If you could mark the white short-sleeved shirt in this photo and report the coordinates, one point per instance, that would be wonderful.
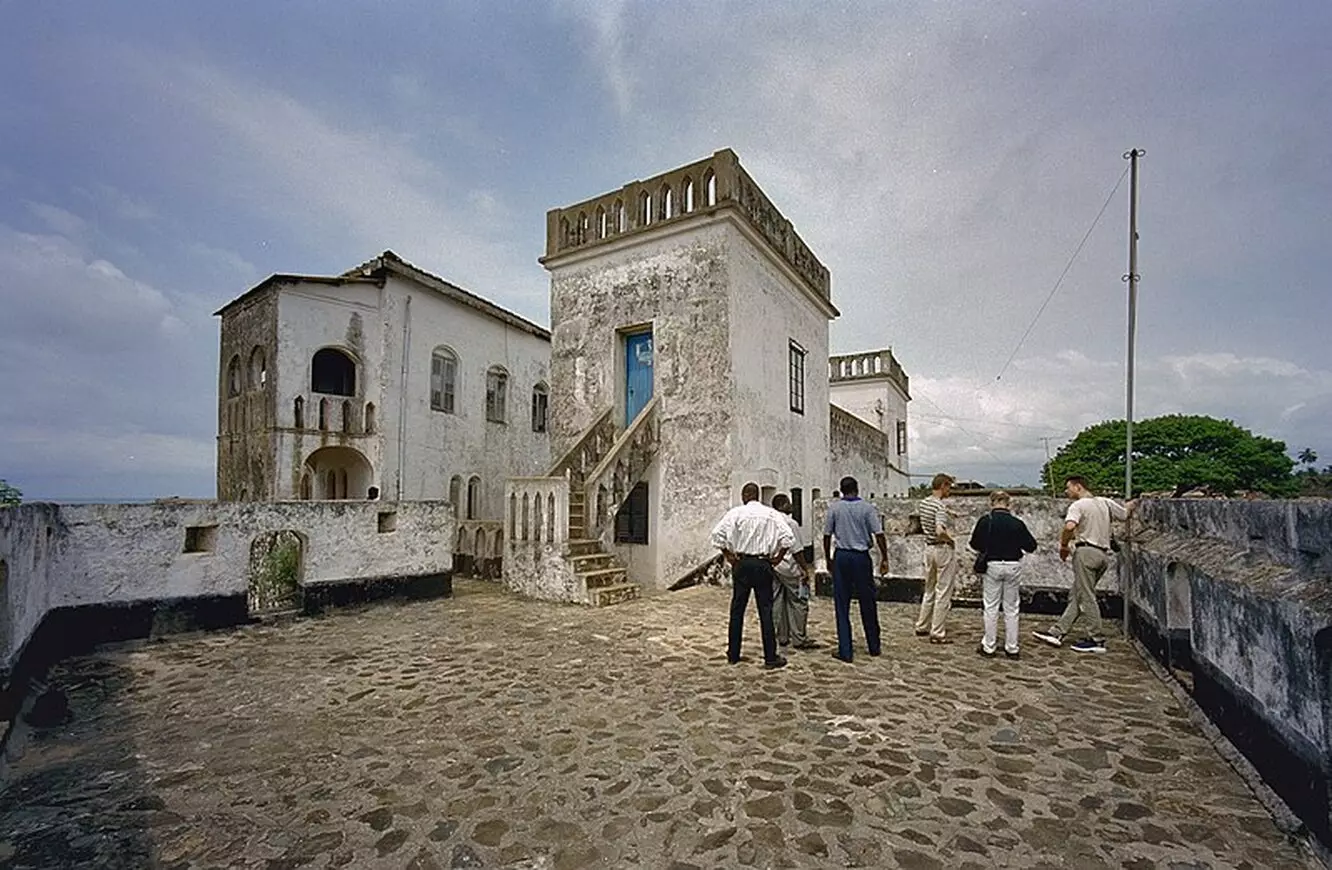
(1092, 516)
(752, 529)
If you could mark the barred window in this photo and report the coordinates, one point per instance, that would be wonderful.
(797, 357)
(443, 379)
(540, 408)
(901, 437)
(497, 389)
(631, 521)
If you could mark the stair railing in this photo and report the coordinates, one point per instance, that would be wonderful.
(608, 484)
(587, 450)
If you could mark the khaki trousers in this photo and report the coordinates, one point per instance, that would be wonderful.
(940, 574)
(1089, 564)
(790, 612)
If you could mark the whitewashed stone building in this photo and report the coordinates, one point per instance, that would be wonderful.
(384, 381)
(869, 394)
(688, 356)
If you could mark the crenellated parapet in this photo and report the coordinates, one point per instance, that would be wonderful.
(868, 366)
(701, 188)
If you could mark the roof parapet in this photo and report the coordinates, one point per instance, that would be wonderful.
(868, 366)
(700, 188)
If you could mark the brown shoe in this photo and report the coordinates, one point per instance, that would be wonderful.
(941, 640)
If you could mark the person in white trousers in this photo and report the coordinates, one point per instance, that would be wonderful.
(1001, 539)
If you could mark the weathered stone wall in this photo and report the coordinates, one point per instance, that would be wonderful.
(771, 444)
(80, 556)
(1041, 570)
(858, 449)
(246, 389)
(677, 284)
(1239, 594)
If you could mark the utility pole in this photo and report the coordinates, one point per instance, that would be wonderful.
(1048, 471)
(1132, 279)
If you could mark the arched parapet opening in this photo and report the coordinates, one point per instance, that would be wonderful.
(333, 372)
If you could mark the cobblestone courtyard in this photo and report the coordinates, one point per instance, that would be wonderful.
(489, 731)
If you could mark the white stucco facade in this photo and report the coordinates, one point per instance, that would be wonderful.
(725, 309)
(389, 425)
(872, 388)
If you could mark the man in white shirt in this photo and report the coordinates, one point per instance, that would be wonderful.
(1087, 530)
(791, 601)
(753, 537)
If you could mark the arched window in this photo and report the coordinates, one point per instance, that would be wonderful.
(346, 416)
(601, 222)
(582, 228)
(620, 221)
(540, 407)
(688, 198)
(330, 484)
(497, 391)
(474, 498)
(644, 209)
(455, 493)
(667, 198)
(369, 418)
(234, 377)
(323, 415)
(305, 486)
(258, 369)
(332, 372)
(443, 379)
(564, 232)
(298, 411)
(710, 188)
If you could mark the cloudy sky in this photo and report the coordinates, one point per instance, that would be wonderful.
(943, 159)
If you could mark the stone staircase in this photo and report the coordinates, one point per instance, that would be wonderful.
(601, 573)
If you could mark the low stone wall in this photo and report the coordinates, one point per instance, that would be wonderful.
(1235, 597)
(87, 573)
(1042, 571)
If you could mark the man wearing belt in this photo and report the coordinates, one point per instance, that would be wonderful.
(854, 523)
(1087, 529)
(940, 562)
(1002, 538)
(753, 537)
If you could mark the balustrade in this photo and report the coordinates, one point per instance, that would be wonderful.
(536, 510)
(607, 486)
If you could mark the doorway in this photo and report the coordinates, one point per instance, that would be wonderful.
(637, 374)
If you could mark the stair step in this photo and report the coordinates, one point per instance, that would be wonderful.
(617, 594)
(602, 577)
(582, 546)
(592, 562)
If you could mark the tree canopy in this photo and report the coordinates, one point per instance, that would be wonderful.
(1176, 451)
(9, 495)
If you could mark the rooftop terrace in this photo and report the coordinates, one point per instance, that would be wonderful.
(489, 730)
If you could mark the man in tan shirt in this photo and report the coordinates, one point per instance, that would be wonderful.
(1086, 535)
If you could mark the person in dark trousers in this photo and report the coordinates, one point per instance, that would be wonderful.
(754, 538)
(1002, 538)
(855, 524)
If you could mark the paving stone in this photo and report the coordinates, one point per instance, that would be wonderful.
(490, 731)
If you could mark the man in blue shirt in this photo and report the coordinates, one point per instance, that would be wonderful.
(855, 523)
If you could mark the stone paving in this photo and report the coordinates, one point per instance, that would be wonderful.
(490, 731)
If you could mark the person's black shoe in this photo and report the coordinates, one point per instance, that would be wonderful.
(876, 653)
(988, 655)
(839, 657)
(806, 644)
(779, 662)
(731, 661)
(1013, 655)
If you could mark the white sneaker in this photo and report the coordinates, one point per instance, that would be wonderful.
(1049, 637)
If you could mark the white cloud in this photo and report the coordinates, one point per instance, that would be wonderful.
(994, 432)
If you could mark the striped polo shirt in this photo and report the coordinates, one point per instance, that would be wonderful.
(933, 518)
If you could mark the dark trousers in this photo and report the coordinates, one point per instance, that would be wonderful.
(853, 574)
(751, 574)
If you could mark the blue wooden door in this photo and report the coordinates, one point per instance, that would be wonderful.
(637, 374)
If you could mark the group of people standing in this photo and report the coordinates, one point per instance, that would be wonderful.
(766, 552)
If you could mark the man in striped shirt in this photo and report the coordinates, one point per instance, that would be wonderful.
(940, 562)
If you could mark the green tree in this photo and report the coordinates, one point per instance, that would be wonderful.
(1308, 457)
(9, 495)
(1173, 451)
